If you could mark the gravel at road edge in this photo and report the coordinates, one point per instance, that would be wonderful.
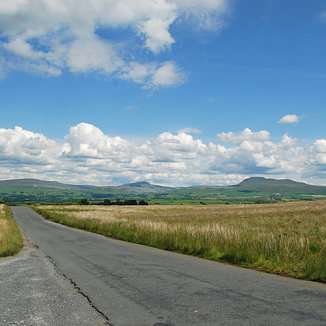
(34, 293)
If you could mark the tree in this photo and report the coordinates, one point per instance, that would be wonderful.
(107, 202)
(143, 202)
(130, 202)
(84, 201)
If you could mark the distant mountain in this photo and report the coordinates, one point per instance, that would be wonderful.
(251, 190)
(42, 184)
(144, 186)
(135, 188)
(21, 190)
(283, 185)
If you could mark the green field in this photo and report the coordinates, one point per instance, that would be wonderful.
(287, 238)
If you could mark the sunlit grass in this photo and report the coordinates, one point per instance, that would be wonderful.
(11, 237)
(288, 239)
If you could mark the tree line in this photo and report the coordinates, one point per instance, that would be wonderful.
(85, 201)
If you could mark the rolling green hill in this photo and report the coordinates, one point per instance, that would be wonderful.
(137, 187)
(33, 190)
(251, 190)
(35, 183)
(264, 184)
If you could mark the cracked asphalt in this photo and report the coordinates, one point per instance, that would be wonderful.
(34, 293)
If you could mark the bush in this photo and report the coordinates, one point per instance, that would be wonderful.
(107, 202)
(130, 202)
(84, 201)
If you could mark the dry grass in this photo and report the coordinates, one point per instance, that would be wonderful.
(11, 237)
(286, 238)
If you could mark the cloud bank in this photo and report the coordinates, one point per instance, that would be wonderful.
(88, 156)
(107, 37)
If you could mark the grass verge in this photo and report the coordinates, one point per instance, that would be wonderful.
(11, 237)
(287, 239)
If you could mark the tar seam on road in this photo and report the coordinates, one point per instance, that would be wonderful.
(79, 291)
(75, 286)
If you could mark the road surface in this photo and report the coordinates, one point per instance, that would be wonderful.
(133, 285)
(33, 293)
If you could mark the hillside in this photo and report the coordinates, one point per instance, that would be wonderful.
(251, 190)
(283, 185)
(31, 190)
(35, 183)
(137, 187)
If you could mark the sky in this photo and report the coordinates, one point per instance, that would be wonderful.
(173, 92)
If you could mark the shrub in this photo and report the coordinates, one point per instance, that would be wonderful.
(84, 201)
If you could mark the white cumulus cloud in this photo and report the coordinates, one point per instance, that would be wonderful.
(154, 75)
(320, 147)
(289, 118)
(244, 135)
(87, 155)
(167, 74)
(19, 146)
(54, 36)
(86, 140)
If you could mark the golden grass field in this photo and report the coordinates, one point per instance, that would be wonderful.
(11, 237)
(287, 238)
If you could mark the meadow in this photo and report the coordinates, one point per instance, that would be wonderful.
(287, 238)
(11, 237)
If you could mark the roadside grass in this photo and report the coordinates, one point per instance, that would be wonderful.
(11, 237)
(287, 239)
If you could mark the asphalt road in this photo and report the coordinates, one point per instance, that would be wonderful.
(136, 285)
(33, 293)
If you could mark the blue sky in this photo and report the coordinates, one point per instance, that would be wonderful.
(172, 92)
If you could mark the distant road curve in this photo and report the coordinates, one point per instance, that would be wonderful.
(134, 285)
